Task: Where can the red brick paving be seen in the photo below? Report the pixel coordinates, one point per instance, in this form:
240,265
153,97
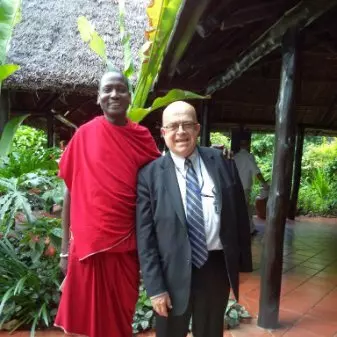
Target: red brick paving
309,285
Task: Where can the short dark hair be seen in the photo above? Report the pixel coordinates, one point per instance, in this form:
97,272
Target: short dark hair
116,71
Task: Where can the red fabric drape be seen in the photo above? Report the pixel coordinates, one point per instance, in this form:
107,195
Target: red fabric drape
100,295
99,167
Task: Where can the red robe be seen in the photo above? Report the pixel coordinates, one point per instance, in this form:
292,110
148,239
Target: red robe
99,167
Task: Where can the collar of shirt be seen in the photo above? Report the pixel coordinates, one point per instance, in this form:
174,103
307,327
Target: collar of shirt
179,161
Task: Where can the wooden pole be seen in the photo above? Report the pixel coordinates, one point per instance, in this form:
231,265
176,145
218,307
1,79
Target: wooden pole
272,255
50,130
297,173
4,109
205,132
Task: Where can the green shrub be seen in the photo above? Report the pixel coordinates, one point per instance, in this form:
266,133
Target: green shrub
29,275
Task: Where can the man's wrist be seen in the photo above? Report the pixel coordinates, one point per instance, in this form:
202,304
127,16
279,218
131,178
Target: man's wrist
159,295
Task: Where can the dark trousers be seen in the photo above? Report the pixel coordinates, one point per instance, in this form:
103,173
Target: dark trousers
207,304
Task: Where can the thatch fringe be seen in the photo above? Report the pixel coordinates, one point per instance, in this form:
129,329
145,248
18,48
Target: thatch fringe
48,47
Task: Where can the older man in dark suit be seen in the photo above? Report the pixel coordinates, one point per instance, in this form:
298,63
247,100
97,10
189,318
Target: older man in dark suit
192,230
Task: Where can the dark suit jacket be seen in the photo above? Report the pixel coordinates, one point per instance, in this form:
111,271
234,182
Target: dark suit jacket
163,243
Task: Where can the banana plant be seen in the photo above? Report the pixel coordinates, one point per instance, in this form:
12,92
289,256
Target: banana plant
8,133
9,15
162,17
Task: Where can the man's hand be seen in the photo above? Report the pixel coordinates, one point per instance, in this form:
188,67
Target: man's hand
162,304
64,265
227,153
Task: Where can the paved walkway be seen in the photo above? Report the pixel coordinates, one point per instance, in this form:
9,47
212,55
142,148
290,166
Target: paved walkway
309,285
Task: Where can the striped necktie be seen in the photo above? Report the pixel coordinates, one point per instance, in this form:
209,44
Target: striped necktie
195,217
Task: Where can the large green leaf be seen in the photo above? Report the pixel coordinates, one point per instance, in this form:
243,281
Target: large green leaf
162,15
91,37
9,11
8,134
125,39
6,70
137,114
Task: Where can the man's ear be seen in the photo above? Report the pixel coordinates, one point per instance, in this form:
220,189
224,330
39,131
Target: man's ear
198,127
130,98
162,132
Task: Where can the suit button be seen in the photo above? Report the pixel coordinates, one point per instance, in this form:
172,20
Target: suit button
188,260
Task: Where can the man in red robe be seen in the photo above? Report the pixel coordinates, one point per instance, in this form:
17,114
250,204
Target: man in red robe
99,167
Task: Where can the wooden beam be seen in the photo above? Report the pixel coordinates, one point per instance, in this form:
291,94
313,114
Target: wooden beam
205,130
249,15
44,105
259,124
272,255
50,130
329,112
4,109
297,173
185,29
301,15
65,121
212,21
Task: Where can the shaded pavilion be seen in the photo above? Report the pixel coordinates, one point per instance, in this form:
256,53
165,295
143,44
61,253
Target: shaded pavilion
270,66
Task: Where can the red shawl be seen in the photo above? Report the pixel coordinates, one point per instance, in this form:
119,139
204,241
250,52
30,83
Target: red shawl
99,167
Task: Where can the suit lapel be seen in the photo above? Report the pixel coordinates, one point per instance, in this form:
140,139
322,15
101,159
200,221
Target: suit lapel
172,187
214,171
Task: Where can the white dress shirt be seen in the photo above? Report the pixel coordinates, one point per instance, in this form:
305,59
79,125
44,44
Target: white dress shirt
247,167
211,217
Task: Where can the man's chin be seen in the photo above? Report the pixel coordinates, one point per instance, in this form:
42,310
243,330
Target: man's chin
115,112
183,151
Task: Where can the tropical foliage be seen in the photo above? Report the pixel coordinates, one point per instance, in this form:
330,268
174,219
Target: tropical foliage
162,16
30,275
318,188
30,235
318,194
9,16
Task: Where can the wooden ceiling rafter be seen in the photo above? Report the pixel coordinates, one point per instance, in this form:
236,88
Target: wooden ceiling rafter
47,102
302,15
248,15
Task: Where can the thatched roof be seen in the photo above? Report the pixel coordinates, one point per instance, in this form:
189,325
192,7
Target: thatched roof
48,47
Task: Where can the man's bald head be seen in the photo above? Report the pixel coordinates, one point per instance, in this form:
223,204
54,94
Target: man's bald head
177,108
180,128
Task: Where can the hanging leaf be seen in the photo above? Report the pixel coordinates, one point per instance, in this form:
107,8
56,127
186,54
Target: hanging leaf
6,70
8,134
9,16
125,39
91,37
162,17
137,114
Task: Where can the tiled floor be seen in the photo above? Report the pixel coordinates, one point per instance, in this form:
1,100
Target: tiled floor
309,284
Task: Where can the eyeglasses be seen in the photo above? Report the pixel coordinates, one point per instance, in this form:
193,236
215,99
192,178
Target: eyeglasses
186,126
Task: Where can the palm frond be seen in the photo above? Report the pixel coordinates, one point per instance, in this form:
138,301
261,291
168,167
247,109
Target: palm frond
5,203
10,184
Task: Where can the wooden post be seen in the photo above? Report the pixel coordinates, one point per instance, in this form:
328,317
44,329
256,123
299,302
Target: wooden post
297,173
50,130
272,255
4,109
205,132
